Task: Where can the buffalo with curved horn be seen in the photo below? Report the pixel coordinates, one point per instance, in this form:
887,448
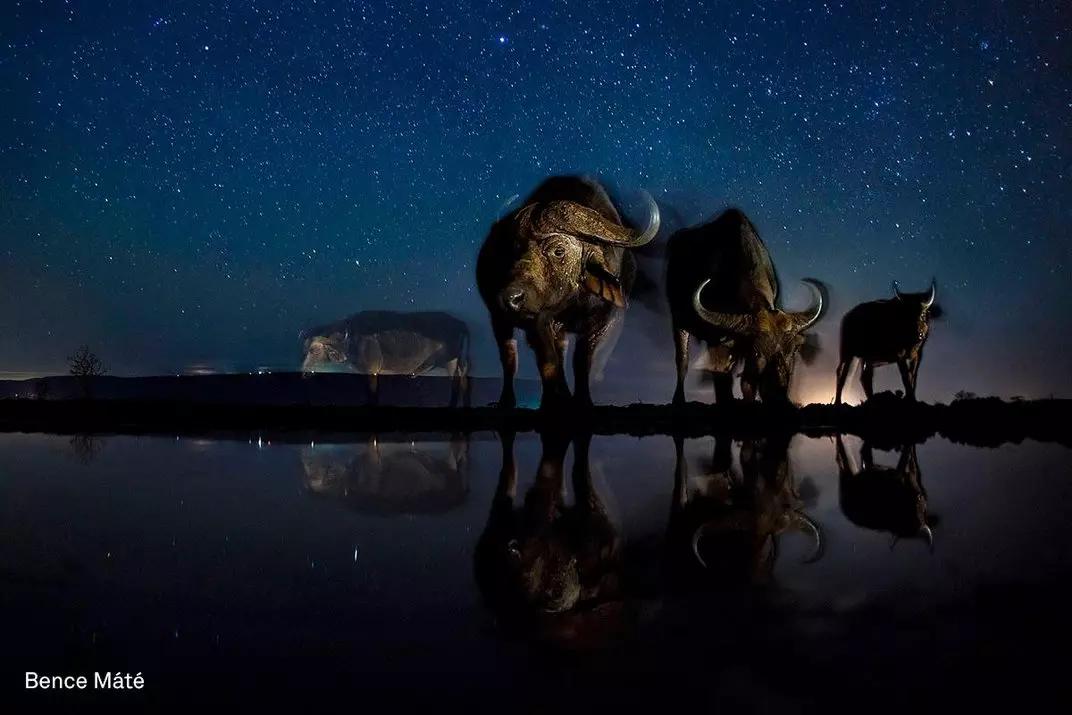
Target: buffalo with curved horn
882,332
559,264
723,290
880,498
732,533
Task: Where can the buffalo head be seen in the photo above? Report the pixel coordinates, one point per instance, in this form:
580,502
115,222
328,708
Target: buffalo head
925,302
773,338
324,350
561,248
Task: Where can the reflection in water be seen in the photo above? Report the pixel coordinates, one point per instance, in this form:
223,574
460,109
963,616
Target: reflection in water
880,498
85,447
391,478
545,568
197,564
727,531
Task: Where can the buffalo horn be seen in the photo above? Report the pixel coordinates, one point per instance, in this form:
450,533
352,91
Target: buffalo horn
714,525
574,219
804,319
934,293
927,535
737,323
803,522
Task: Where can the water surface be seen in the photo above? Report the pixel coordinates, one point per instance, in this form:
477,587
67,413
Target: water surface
254,568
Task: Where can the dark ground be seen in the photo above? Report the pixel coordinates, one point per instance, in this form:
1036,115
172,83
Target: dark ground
885,420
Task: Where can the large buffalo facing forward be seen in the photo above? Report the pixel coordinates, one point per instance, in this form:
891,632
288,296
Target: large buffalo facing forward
380,342
559,264
881,332
722,289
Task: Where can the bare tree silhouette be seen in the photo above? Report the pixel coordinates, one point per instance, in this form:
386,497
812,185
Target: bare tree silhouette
86,366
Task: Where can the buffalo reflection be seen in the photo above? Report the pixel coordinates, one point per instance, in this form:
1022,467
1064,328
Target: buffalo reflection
727,531
546,569
386,478
885,499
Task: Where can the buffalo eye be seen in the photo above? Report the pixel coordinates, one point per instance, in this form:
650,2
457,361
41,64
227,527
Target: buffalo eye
558,252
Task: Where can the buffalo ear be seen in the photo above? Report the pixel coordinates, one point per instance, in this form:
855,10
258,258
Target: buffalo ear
598,280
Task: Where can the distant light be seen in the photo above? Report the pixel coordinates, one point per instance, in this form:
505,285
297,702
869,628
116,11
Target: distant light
502,40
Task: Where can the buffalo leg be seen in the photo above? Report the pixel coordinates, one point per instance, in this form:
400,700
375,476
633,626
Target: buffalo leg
722,456
584,492
867,379
547,490
908,368
908,468
504,338
913,372
723,382
582,367
459,383
906,380
455,385
748,389
721,363
502,505
681,360
550,347
843,463
867,458
842,374
681,476
603,349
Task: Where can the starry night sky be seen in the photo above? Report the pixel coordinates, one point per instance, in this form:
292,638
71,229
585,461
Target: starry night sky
192,183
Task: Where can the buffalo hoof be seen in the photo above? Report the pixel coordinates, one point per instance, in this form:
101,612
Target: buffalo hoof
506,402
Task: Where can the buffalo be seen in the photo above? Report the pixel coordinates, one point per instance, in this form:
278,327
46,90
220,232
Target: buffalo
388,478
380,342
547,570
722,289
885,499
880,332
730,530
559,264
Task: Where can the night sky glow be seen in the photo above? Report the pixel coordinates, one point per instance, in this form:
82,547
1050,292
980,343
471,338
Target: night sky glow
192,183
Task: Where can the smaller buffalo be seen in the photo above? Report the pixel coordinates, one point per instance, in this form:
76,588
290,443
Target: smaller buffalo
881,332
885,499
381,342
722,289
